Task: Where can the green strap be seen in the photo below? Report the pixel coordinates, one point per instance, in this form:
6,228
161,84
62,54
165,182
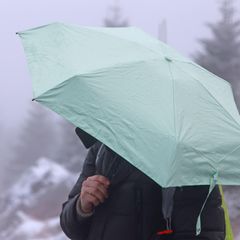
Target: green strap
229,233
211,187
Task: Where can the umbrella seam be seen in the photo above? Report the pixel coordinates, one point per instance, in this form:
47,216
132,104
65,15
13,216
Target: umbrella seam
225,110
135,42
214,75
104,33
174,106
201,153
113,36
97,70
223,158
173,160
195,150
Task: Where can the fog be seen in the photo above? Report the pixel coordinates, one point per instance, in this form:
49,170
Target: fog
32,149
185,21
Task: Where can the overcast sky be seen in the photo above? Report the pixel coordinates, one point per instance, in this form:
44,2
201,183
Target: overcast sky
185,19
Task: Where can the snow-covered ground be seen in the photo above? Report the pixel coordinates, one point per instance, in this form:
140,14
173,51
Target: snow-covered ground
30,209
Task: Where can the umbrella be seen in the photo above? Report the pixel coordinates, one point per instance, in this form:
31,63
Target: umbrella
165,114
168,116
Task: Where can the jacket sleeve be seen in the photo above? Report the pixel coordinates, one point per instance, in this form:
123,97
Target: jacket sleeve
72,224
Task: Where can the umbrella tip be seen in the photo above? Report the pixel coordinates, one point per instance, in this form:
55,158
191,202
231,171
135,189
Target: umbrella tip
168,59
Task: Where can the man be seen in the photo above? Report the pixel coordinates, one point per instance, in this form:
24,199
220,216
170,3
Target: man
113,200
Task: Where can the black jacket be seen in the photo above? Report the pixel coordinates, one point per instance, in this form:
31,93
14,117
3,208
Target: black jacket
133,210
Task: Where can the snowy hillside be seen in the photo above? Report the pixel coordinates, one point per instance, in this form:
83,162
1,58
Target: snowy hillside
30,209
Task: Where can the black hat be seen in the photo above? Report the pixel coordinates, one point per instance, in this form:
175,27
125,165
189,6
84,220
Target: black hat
86,138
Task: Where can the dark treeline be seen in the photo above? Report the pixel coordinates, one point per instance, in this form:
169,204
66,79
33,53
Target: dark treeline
221,52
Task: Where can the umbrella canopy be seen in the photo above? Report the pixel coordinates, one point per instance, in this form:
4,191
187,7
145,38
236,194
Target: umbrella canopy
165,114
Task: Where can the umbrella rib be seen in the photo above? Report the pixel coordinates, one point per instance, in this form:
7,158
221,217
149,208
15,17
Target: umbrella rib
174,106
225,110
204,69
97,70
201,153
224,157
173,160
163,54
112,36
234,150
193,148
131,41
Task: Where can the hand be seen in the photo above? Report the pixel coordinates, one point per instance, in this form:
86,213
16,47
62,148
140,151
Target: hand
93,192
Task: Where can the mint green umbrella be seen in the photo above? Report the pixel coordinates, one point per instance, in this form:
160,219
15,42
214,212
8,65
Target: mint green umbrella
165,114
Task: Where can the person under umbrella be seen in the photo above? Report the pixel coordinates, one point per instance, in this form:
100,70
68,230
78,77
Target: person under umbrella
112,199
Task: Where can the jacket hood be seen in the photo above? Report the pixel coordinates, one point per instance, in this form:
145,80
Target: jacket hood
87,139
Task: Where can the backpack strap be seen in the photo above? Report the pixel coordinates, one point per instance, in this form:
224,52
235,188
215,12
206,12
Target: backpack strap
229,232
